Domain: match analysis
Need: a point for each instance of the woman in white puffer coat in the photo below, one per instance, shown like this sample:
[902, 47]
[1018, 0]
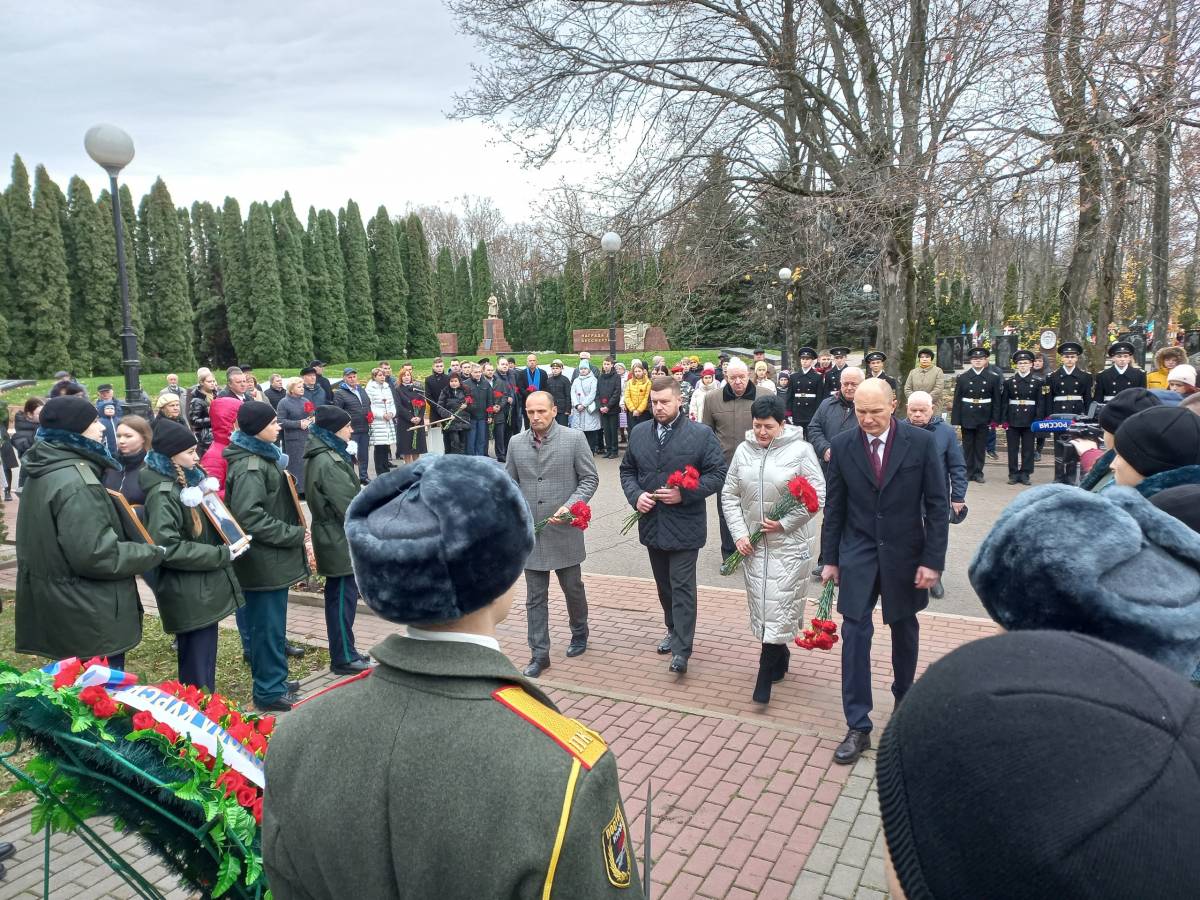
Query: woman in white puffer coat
[776, 570]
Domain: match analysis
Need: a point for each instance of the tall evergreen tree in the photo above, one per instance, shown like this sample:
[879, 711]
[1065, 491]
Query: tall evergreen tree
[481, 288]
[389, 290]
[293, 282]
[164, 282]
[328, 312]
[213, 344]
[462, 306]
[18, 215]
[95, 343]
[360, 311]
[596, 303]
[235, 280]
[5, 284]
[42, 281]
[443, 290]
[129, 230]
[552, 315]
[267, 330]
[335, 265]
[573, 291]
[422, 321]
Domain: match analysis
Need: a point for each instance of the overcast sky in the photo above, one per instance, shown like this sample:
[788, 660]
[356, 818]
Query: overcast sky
[327, 100]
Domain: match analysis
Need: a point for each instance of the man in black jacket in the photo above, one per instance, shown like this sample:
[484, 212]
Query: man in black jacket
[350, 396]
[887, 518]
[805, 389]
[436, 383]
[479, 389]
[977, 393]
[674, 522]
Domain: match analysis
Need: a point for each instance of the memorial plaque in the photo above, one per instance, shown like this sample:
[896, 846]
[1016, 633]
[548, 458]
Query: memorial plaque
[1003, 347]
[493, 338]
[447, 343]
[945, 352]
[962, 343]
[1191, 341]
[595, 340]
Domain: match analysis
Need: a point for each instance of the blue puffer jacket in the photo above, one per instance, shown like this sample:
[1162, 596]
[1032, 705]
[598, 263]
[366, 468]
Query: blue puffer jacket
[952, 458]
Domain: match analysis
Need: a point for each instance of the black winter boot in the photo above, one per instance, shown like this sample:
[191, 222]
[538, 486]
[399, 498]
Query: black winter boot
[768, 663]
[783, 657]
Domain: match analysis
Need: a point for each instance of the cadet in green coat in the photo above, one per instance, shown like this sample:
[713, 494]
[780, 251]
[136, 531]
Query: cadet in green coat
[76, 593]
[196, 587]
[330, 483]
[479, 788]
[258, 495]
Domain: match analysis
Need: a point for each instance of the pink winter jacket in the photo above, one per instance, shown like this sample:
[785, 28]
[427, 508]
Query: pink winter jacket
[223, 414]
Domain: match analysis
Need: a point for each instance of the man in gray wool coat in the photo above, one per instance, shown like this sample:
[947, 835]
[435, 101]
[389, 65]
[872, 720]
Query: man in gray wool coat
[554, 469]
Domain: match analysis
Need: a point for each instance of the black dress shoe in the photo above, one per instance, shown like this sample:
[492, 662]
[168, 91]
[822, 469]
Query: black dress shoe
[576, 648]
[678, 664]
[1024, 478]
[1014, 479]
[6, 850]
[852, 746]
[364, 481]
[353, 667]
[292, 650]
[535, 668]
[282, 703]
[664, 646]
[293, 687]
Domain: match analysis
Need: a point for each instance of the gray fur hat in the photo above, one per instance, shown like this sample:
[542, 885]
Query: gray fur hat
[435, 540]
[1110, 565]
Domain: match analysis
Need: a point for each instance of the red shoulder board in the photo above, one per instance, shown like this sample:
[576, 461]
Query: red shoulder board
[333, 687]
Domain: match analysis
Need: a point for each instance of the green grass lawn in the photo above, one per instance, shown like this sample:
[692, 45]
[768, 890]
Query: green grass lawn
[152, 661]
[153, 383]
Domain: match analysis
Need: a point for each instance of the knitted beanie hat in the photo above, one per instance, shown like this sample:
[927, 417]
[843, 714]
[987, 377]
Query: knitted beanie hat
[1159, 439]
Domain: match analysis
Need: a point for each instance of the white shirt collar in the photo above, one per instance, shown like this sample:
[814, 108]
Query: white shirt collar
[457, 637]
[1068, 371]
[1120, 371]
[883, 438]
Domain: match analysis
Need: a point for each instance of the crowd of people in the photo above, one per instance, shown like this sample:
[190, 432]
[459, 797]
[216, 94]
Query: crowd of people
[436, 542]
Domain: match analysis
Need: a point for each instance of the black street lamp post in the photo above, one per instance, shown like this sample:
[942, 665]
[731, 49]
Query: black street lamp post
[610, 243]
[112, 149]
[785, 279]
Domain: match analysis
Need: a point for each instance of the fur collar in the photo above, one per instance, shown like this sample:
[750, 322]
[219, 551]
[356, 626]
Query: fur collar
[258, 447]
[330, 440]
[1169, 479]
[158, 462]
[86, 447]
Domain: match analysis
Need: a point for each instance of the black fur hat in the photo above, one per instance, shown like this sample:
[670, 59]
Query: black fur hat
[435, 540]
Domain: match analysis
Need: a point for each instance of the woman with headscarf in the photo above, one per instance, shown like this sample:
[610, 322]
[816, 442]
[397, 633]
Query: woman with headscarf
[585, 411]
[776, 570]
[76, 589]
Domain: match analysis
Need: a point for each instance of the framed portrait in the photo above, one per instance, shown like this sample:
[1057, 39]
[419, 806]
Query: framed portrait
[296, 499]
[131, 523]
[222, 520]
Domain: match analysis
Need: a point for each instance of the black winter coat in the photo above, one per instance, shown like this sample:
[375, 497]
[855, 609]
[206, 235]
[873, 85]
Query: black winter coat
[125, 479]
[200, 420]
[646, 467]
[355, 402]
[24, 432]
[608, 392]
[559, 387]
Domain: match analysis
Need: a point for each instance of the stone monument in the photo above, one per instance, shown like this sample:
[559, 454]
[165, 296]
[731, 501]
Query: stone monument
[493, 331]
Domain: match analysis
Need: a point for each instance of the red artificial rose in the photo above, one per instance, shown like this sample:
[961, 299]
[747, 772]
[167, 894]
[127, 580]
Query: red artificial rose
[240, 731]
[142, 720]
[799, 488]
[265, 725]
[216, 710]
[256, 809]
[370, 417]
[192, 695]
[231, 781]
[105, 708]
[308, 406]
[246, 795]
[166, 731]
[235, 717]
[256, 743]
[93, 695]
[171, 687]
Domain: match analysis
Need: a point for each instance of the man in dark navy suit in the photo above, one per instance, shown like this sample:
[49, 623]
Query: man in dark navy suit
[887, 520]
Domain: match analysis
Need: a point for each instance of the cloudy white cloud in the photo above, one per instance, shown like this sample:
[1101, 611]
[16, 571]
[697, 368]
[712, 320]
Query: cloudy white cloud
[326, 100]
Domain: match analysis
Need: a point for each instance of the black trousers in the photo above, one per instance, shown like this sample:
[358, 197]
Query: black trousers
[563, 419]
[675, 578]
[383, 456]
[454, 441]
[974, 446]
[1020, 444]
[198, 657]
[593, 439]
[610, 423]
[856, 665]
[727, 544]
[500, 436]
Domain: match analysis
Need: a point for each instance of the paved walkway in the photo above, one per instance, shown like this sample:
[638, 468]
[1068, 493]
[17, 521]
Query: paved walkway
[746, 800]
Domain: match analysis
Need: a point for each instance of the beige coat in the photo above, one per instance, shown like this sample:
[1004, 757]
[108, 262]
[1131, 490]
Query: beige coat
[929, 380]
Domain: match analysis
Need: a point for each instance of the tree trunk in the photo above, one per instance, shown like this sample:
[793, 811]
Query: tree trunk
[1110, 270]
[897, 290]
[1072, 296]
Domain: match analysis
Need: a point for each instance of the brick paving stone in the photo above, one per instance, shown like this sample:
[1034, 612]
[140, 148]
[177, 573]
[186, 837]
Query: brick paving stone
[843, 881]
[822, 859]
[809, 886]
[855, 852]
[873, 876]
[866, 826]
[864, 893]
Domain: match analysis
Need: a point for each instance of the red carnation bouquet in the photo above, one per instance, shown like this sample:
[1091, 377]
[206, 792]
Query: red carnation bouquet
[470, 401]
[799, 492]
[823, 634]
[497, 394]
[370, 417]
[578, 516]
[308, 407]
[418, 403]
[687, 478]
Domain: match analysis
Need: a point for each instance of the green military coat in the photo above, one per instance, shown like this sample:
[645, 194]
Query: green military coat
[196, 585]
[76, 593]
[479, 788]
[259, 498]
[330, 483]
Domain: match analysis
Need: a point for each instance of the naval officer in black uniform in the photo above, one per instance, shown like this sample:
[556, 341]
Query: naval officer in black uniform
[1122, 374]
[1024, 402]
[976, 405]
[805, 389]
[833, 378]
[875, 363]
[1070, 387]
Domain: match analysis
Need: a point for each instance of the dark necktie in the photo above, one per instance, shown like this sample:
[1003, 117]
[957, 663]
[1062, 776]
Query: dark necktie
[663, 432]
[877, 459]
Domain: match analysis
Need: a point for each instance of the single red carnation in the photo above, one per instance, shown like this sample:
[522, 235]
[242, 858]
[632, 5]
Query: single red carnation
[470, 401]
[530, 389]
[308, 406]
[799, 488]
[142, 720]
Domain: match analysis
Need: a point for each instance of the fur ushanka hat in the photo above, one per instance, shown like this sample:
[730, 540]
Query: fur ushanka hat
[435, 540]
[1109, 565]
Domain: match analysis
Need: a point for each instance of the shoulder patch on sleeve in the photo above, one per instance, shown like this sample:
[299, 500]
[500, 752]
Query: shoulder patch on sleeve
[617, 859]
[579, 741]
[86, 473]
